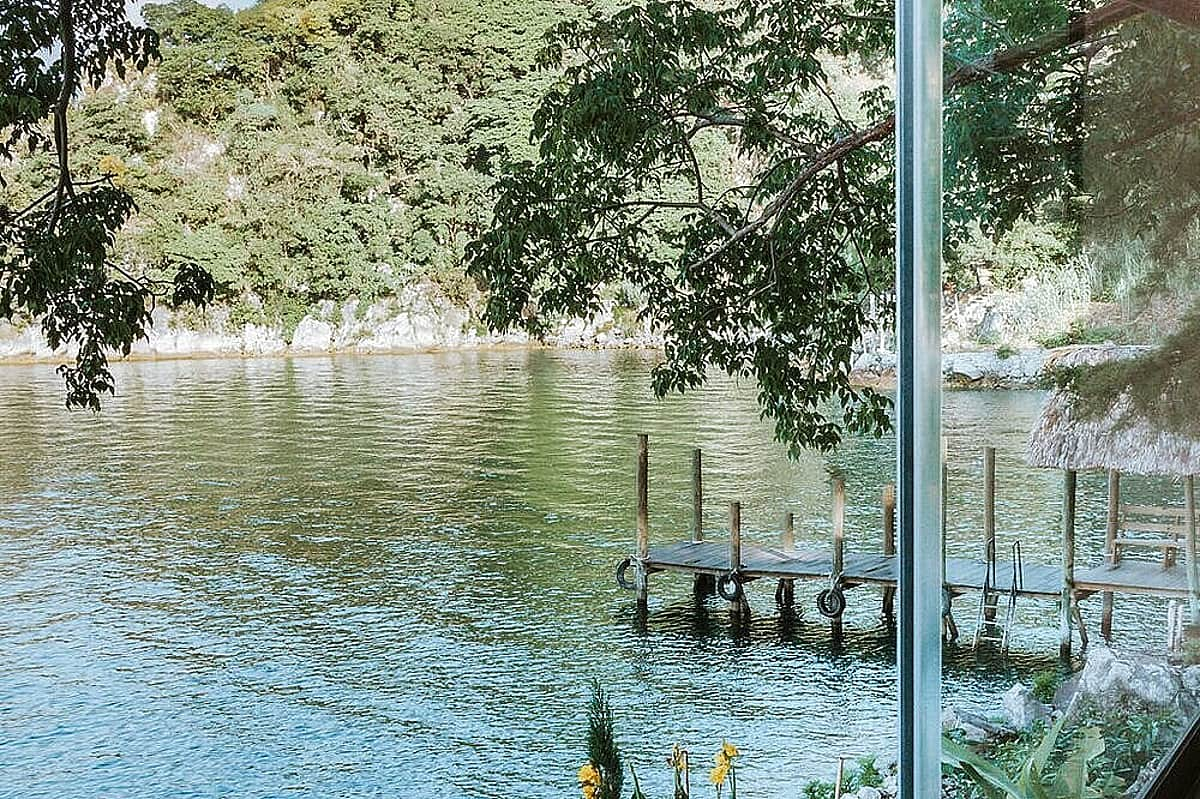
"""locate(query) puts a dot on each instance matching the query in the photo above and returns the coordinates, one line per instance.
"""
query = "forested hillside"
(309, 151)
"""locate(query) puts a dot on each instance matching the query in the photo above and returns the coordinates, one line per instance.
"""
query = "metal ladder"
(995, 629)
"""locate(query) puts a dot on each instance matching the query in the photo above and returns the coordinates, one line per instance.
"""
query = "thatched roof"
(1067, 438)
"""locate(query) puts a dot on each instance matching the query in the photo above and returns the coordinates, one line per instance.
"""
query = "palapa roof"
(1068, 437)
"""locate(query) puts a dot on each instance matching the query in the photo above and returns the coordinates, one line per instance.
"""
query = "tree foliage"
(769, 275)
(55, 263)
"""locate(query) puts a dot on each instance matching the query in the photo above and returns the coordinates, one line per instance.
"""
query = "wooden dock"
(963, 575)
(727, 566)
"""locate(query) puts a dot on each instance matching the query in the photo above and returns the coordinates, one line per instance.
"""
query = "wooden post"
(839, 539)
(702, 584)
(643, 516)
(785, 592)
(1111, 555)
(735, 551)
(889, 545)
(1193, 568)
(1068, 555)
(989, 519)
(945, 482)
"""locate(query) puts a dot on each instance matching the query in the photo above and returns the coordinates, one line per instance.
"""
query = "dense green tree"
(55, 249)
(771, 277)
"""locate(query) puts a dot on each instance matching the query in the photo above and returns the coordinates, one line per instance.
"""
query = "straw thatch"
(1121, 439)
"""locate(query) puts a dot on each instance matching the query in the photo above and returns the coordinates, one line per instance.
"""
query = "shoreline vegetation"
(1098, 732)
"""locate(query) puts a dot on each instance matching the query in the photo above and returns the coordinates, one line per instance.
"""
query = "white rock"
(1155, 684)
(312, 335)
(867, 792)
(1109, 678)
(1021, 708)
(1191, 680)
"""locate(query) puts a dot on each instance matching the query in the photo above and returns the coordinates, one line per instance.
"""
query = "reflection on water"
(393, 577)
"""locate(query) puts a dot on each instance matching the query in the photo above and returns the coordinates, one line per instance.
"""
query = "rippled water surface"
(392, 576)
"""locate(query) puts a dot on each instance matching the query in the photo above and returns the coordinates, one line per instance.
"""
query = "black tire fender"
(729, 586)
(831, 602)
(622, 569)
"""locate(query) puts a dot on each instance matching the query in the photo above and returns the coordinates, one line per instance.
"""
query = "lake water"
(392, 576)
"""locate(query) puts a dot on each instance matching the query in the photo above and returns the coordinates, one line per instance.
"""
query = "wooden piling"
(839, 538)
(989, 519)
(735, 551)
(643, 516)
(1111, 554)
(785, 592)
(702, 584)
(1193, 568)
(1068, 565)
(889, 545)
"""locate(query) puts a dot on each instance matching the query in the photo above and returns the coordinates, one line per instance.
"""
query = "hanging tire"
(622, 570)
(729, 586)
(831, 602)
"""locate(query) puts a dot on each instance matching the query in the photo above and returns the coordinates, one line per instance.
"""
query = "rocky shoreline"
(419, 322)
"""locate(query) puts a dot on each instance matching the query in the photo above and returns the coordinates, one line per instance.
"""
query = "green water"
(392, 576)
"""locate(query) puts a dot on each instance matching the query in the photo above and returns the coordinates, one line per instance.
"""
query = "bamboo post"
(1193, 568)
(702, 584)
(889, 545)
(643, 516)
(989, 518)
(785, 592)
(1111, 555)
(839, 539)
(735, 550)
(1068, 554)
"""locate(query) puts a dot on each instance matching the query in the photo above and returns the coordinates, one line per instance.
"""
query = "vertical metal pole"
(919, 401)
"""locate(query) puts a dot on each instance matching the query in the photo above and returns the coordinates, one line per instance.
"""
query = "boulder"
(1109, 678)
(312, 335)
(1022, 708)
(974, 727)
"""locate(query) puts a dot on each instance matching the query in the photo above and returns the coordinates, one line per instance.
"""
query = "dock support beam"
(1193, 568)
(989, 519)
(643, 519)
(919, 393)
(785, 592)
(741, 605)
(889, 548)
(1111, 556)
(702, 584)
(1068, 556)
(839, 543)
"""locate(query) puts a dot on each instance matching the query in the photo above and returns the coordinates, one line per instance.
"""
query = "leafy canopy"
(55, 263)
(709, 158)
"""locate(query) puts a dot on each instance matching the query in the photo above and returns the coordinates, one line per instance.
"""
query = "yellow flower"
(589, 776)
(729, 750)
(718, 774)
(591, 791)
